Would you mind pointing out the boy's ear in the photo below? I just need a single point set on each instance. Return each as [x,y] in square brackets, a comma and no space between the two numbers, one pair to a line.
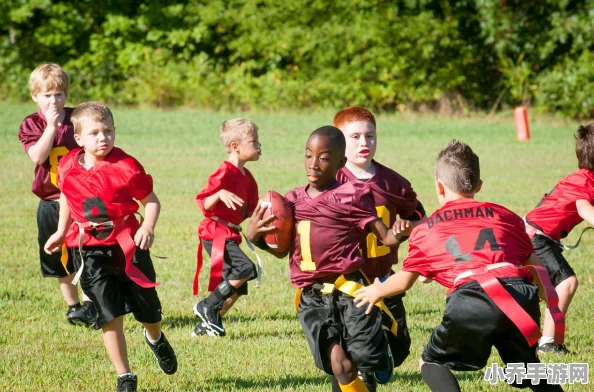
[78,140]
[34,97]
[439,187]
[342,162]
[478,186]
[234,146]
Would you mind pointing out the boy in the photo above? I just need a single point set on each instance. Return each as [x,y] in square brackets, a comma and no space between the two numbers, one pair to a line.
[46,137]
[476,250]
[557,213]
[230,196]
[393,196]
[330,221]
[99,186]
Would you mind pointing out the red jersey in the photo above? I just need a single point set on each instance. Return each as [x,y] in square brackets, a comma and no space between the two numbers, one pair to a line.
[328,231]
[44,183]
[393,196]
[467,234]
[228,177]
[104,192]
[556,214]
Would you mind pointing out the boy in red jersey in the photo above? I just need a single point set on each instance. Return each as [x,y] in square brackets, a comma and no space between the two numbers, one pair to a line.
[100,185]
[47,136]
[393,197]
[557,213]
[331,219]
[476,250]
[230,196]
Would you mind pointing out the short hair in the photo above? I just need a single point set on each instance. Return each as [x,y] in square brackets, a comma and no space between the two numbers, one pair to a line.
[95,111]
[584,146]
[334,135]
[235,130]
[458,168]
[353,114]
[48,77]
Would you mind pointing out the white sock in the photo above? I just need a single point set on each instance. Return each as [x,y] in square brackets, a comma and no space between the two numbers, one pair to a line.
[546,339]
[153,342]
[125,374]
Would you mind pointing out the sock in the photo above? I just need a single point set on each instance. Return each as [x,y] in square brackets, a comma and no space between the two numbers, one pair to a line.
[76,306]
[355,386]
[223,291]
[125,374]
[546,339]
[87,303]
[439,378]
[151,341]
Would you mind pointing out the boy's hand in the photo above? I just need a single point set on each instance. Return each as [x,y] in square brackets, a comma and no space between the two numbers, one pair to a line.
[230,199]
[257,224]
[54,243]
[52,116]
[402,228]
[423,279]
[368,295]
[144,237]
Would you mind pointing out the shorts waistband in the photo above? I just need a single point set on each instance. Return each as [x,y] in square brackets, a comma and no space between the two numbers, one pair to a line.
[473,285]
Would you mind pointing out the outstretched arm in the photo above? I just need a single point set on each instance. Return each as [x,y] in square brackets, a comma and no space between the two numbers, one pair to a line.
[145,235]
[395,284]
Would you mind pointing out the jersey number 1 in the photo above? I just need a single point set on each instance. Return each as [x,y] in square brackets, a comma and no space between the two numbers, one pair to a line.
[307,264]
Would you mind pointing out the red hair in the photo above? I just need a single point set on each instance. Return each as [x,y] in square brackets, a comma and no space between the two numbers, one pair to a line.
[353,114]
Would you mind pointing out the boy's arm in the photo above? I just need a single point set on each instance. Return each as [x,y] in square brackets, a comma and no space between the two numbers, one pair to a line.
[258,226]
[39,152]
[533,260]
[389,237]
[229,198]
[395,284]
[586,210]
[54,243]
[145,235]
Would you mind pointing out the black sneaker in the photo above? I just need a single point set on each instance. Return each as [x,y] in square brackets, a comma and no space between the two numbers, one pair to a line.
[164,353]
[549,348]
[211,318]
[127,383]
[200,329]
[85,315]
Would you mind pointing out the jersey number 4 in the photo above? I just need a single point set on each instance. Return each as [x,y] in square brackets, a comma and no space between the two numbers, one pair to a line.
[485,235]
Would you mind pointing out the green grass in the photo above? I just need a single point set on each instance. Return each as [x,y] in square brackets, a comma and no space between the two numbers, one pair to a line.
[265,349]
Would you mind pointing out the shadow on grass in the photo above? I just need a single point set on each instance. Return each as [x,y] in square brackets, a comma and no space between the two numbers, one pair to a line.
[416,376]
[191,320]
[231,383]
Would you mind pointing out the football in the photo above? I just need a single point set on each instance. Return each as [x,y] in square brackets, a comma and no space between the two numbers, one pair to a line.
[278,240]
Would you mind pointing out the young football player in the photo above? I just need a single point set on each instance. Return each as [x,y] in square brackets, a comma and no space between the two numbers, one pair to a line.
[476,250]
[47,136]
[393,197]
[331,219]
[100,184]
[230,196]
[557,213]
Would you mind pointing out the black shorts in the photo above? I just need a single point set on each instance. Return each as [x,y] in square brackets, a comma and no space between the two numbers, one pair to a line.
[59,264]
[236,264]
[328,318]
[399,343]
[105,281]
[549,252]
[472,324]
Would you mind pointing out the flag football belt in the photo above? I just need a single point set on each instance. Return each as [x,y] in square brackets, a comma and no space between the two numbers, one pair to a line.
[532,230]
[347,287]
[508,305]
[217,255]
[124,240]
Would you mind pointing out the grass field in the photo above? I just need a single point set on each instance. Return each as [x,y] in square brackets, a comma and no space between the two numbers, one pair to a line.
[264,349]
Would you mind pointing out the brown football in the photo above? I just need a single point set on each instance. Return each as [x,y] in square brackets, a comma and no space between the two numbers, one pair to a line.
[279,239]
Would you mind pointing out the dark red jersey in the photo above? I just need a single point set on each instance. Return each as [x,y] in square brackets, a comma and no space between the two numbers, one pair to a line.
[556,214]
[44,183]
[228,177]
[107,191]
[328,231]
[393,196]
[467,234]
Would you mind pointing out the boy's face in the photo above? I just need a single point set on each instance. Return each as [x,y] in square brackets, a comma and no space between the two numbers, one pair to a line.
[322,162]
[360,142]
[96,137]
[250,148]
[47,100]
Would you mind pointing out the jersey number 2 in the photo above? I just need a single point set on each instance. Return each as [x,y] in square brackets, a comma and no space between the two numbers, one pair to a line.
[373,249]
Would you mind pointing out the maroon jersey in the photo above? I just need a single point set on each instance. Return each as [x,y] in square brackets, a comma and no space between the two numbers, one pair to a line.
[328,231]
[228,177]
[44,183]
[556,214]
[393,196]
[104,192]
[467,234]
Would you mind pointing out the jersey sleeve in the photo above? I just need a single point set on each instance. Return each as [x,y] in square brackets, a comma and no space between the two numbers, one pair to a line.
[213,185]
[416,261]
[140,184]
[578,188]
[29,133]
[362,209]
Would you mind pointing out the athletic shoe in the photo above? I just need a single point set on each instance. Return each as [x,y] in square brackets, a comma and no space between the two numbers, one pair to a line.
[211,318]
[85,315]
[127,383]
[200,329]
[164,353]
[549,348]
[383,376]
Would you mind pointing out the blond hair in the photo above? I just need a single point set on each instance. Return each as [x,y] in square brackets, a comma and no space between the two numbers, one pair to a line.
[48,77]
[458,168]
[95,111]
[236,130]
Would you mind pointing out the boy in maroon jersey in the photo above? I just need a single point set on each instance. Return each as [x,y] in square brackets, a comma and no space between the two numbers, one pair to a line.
[331,219]
[476,250]
[393,197]
[100,185]
[230,196]
[557,213]
[46,137]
